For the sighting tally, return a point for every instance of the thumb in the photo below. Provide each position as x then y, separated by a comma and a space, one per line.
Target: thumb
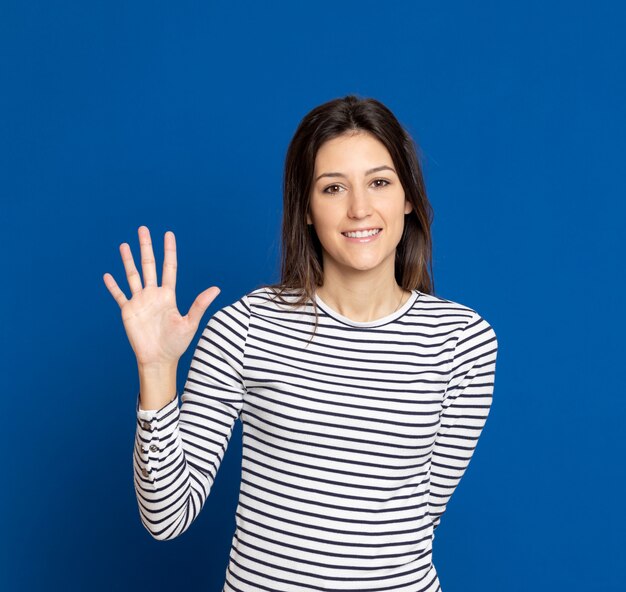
201, 303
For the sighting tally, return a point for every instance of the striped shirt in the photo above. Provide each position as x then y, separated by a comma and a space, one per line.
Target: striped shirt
353, 441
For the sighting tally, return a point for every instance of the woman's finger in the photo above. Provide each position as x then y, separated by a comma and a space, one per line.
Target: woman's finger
134, 280
201, 303
169, 260
112, 286
148, 266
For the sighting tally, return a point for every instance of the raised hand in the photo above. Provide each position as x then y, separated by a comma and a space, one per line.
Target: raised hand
157, 332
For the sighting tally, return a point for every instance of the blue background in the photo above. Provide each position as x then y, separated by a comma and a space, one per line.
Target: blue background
178, 116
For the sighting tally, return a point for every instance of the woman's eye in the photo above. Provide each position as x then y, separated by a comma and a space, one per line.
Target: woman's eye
331, 187
381, 180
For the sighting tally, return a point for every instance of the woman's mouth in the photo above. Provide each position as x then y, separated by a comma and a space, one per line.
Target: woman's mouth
363, 236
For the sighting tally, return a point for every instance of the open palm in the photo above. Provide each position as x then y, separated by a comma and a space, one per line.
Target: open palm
158, 333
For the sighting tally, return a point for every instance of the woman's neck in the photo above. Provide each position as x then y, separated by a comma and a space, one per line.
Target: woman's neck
362, 299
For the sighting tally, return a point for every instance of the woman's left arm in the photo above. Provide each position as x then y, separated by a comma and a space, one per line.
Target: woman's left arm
465, 407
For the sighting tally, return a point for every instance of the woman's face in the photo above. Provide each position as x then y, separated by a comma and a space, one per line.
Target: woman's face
356, 187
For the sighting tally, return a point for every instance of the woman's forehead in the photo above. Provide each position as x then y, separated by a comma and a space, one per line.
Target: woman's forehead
355, 153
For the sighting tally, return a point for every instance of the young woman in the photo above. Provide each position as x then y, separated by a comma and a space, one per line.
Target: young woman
362, 394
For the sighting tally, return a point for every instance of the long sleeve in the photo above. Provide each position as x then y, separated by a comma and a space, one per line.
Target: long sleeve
178, 450
465, 407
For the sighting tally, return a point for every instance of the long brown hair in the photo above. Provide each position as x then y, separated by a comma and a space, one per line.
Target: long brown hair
301, 257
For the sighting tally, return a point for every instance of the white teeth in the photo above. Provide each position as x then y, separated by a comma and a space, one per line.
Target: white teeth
361, 233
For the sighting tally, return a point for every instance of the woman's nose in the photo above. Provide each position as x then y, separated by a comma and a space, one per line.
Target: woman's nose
359, 204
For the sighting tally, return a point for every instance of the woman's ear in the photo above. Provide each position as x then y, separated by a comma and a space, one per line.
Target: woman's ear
308, 219
408, 206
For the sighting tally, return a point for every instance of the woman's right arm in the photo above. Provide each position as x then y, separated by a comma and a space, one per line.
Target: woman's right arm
178, 451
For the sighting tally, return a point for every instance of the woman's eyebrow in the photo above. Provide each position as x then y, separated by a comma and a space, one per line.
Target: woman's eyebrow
374, 170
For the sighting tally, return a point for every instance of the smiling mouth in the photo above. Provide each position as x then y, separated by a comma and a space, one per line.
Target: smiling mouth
363, 233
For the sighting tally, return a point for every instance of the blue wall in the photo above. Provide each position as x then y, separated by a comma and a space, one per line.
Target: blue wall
177, 115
